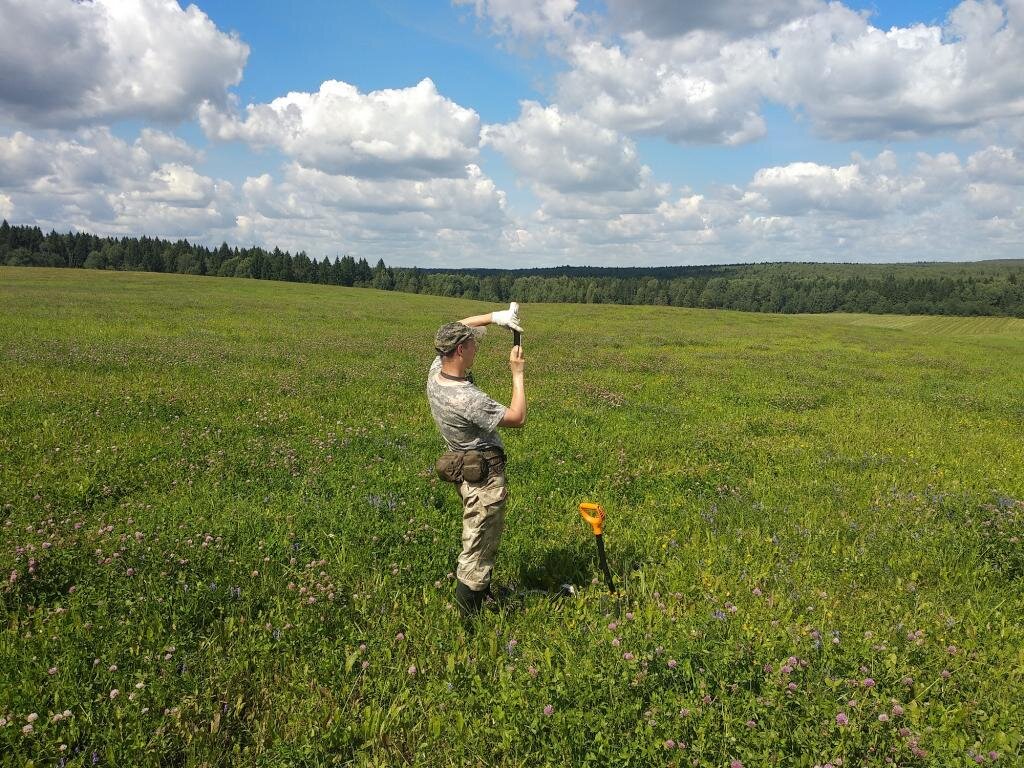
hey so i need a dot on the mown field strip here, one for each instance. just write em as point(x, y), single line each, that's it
point(938, 325)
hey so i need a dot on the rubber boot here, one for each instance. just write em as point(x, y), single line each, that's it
point(497, 596)
point(468, 600)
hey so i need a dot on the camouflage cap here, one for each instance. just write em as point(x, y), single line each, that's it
point(450, 335)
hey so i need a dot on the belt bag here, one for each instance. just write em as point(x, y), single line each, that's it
point(468, 466)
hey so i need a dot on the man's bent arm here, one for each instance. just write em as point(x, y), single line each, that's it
point(515, 414)
point(509, 318)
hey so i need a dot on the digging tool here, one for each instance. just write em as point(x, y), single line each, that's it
point(517, 334)
point(594, 514)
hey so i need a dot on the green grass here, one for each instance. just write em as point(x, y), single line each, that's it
point(187, 461)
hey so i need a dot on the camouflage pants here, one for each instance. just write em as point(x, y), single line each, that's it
point(483, 520)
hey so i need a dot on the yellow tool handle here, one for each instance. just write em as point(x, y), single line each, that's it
point(593, 514)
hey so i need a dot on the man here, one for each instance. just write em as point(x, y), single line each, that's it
point(468, 421)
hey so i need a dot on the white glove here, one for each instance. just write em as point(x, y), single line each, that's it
point(508, 318)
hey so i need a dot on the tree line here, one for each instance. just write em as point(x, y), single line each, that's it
point(976, 288)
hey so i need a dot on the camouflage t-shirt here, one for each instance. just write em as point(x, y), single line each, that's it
point(468, 418)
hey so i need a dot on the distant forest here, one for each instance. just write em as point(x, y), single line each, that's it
point(927, 288)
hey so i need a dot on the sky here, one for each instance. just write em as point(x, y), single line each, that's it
point(522, 133)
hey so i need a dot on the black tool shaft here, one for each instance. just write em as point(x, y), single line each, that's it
point(604, 562)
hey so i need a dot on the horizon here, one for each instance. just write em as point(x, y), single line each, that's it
point(550, 267)
point(480, 135)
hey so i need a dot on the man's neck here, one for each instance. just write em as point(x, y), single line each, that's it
point(454, 367)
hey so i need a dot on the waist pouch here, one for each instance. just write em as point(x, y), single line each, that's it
point(469, 466)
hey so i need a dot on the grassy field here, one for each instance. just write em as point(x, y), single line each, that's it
point(225, 545)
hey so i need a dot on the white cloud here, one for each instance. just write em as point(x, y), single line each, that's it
point(403, 221)
point(994, 200)
point(657, 237)
point(857, 81)
point(600, 206)
point(167, 146)
point(394, 133)
point(94, 158)
point(661, 231)
point(701, 74)
point(682, 90)
point(528, 19)
point(671, 18)
point(870, 209)
point(73, 63)
point(474, 201)
point(178, 185)
point(877, 188)
point(939, 207)
point(798, 188)
point(944, 172)
point(575, 168)
point(688, 212)
point(22, 159)
point(97, 182)
point(998, 164)
point(566, 152)
point(698, 87)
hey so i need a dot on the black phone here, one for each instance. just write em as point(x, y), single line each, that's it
point(517, 338)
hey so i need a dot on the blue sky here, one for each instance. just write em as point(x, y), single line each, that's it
point(375, 45)
point(527, 133)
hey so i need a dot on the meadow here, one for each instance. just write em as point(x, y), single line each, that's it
point(221, 542)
